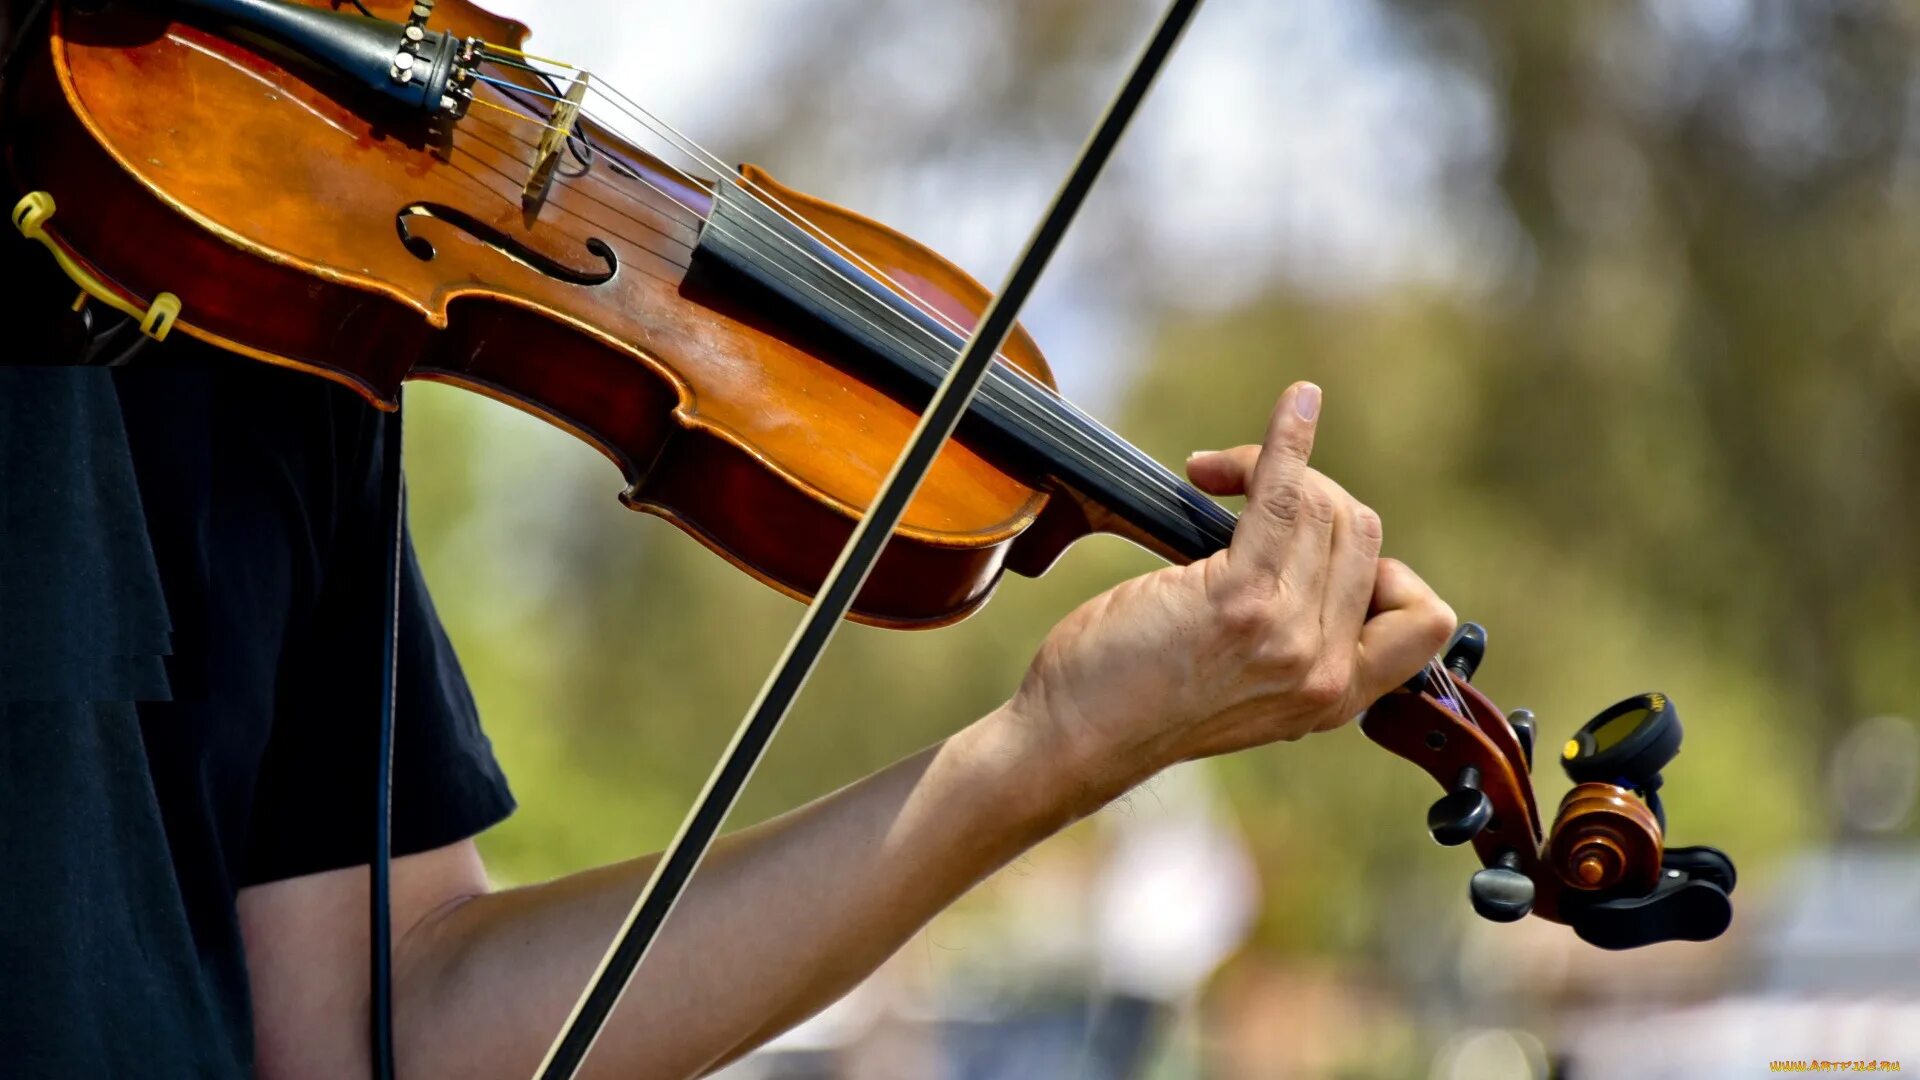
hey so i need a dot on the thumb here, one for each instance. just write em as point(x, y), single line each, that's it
point(1223, 472)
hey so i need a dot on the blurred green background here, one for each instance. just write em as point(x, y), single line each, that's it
point(1615, 308)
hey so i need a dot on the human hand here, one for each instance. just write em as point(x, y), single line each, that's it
point(1296, 627)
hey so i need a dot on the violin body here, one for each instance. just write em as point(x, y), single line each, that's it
point(305, 231)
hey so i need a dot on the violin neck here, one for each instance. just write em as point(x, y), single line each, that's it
point(746, 242)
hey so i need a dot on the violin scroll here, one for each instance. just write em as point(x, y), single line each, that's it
point(1602, 867)
point(1604, 838)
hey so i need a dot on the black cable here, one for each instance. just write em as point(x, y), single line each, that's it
point(393, 498)
point(20, 35)
point(125, 356)
point(100, 340)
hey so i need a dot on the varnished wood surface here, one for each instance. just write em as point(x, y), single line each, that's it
point(1417, 727)
point(184, 163)
point(1602, 839)
point(1605, 838)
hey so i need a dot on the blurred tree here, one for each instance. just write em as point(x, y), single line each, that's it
point(1665, 435)
point(1705, 375)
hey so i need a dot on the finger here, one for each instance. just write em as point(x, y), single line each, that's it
point(1223, 472)
point(1353, 566)
point(1278, 503)
point(1411, 623)
point(1309, 551)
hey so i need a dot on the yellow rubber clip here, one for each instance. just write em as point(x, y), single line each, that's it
point(30, 216)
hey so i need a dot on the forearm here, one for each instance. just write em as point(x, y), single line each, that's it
point(1293, 629)
point(782, 919)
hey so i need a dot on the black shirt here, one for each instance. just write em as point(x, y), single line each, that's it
point(126, 831)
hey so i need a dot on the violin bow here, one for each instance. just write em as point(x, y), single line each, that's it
point(835, 597)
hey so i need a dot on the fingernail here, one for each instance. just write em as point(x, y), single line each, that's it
point(1200, 454)
point(1306, 401)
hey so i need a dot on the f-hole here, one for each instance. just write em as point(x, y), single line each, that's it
point(422, 248)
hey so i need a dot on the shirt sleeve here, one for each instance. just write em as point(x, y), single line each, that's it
point(314, 798)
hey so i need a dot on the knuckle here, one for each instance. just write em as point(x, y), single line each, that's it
point(1441, 622)
point(1319, 507)
point(1324, 688)
point(1287, 654)
point(1366, 524)
point(1246, 614)
point(1282, 504)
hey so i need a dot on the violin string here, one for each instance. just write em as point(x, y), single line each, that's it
point(1440, 676)
point(714, 162)
point(1453, 694)
point(722, 229)
point(695, 213)
point(687, 145)
point(1161, 485)
point(1148, 470)
point(1460, 696)
point(711, 161)
point(665, 213)
point(878, 328)
point(1165, 493)
point(694, 219)
point(1441, 679)
point(1437, 673)
point(697, 219)
point(1449, 690)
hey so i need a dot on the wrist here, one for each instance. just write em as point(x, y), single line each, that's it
point(1017, 774)
point(1052, 778)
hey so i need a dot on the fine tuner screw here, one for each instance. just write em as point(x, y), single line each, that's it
point(412, 37)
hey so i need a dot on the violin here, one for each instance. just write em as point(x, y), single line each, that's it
point(750, 357)
point(406, 193)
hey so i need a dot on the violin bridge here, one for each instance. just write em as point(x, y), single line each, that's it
point(553, 143)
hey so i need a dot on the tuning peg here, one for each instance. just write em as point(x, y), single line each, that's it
point(1521, 721)
point(1465, 651)
point(1501, 893)
point(1460, 814)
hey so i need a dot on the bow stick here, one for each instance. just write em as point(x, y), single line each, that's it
point(830, 605)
